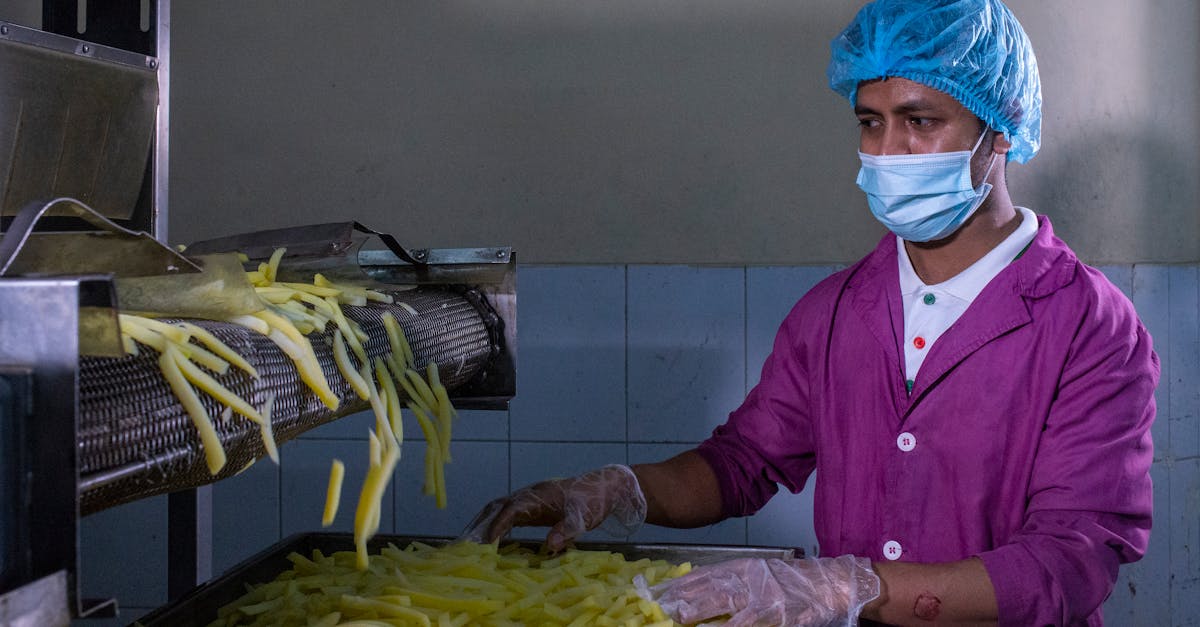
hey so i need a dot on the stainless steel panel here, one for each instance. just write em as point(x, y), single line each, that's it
point(76, 119)
point(42, 603)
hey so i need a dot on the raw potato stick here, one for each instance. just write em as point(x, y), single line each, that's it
point(266, 430)
point(333, 494)
point(457, 584)
point(397, 339)
point(221, 349)
point(366, 516)
point(393, 399)
point(346, 367)
point(205, 382)
point(422, 388)
point(214, 452)
point(272, 269)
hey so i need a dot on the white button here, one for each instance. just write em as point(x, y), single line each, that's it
point(906, 441)
point(892, 550)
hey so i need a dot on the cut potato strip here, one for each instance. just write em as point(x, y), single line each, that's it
point(346, 367)
point(202, 380)
point(250, 322)
point(221, 349)
point(380, 297)
point(333, 493)
point(422, 388)
point(392, 398)
point(457, 584)
point(413, 395)
point(214, 452)
point(366, 516)
point(398, 341)
point(266, 429)
point(171, 332)
point(272, 268)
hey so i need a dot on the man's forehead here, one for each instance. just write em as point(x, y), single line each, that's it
point(892, 94)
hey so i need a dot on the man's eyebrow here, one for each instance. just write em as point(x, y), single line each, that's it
point(908, 106)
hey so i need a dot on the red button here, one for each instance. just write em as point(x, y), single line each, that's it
point(919, 342)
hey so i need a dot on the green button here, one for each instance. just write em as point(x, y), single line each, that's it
point(908, 384)
point(930, 299)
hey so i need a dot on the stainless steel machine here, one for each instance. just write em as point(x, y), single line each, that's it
point(83, 216)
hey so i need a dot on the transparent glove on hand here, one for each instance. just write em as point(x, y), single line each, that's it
point(753, 591)
point(609, 495)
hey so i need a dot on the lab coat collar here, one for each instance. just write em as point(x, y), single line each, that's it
point(1047, 266)
point(966, 285)
point(874, 293)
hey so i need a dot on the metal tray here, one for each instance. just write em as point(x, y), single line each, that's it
point(199, 607)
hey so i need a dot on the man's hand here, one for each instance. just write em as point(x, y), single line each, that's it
point(609, 495)
point(753, 591)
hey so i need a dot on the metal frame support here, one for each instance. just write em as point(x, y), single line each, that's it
point(189, 540)
point(39, 337)
point(142, 26)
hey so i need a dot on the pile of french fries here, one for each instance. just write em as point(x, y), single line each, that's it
point(191, 356)
point(453, 585)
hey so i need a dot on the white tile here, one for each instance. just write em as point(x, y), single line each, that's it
point(771, 292)
point(571, 347)
point(1120, 276)
point(305, 477)
point(1151, 297)
point(1143, 595)
point(246, 514)
point(480, 424)
point(1183, 536)
point(687, 352)
point(123, 553)
point(477, 474)
point(1182, 366)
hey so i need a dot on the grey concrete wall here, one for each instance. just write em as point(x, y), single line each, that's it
point(640, 131)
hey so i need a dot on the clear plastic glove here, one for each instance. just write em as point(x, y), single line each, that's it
point(753, 591)
point(609, 497)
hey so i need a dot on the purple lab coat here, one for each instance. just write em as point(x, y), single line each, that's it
point(1025, 440)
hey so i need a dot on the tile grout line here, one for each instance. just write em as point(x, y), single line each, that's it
point(625, 358)
point(745, 364)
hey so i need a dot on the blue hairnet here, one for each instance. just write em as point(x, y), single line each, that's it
point(974, 50)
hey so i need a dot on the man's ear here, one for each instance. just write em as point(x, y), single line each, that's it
point(1000, 144)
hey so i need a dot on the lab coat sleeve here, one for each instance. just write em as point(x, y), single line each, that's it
point(1090, 497)
point(768, 440)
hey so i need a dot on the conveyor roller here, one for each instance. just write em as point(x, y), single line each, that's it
point(135, 439)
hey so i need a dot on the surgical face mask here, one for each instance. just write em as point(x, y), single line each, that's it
point(922, 198)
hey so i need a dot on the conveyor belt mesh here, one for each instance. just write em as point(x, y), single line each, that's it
point(133, 431)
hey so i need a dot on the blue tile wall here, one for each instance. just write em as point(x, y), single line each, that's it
point(246, 513)
point(122, 553)
point(687, 350)
point(477, 473)
point(636, 363)
point(571, 355)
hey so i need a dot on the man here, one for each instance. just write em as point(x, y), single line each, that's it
point(977, 400)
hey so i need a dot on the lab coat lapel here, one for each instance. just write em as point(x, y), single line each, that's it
point(997, 310)
point(875, 297)
point(1046, 266)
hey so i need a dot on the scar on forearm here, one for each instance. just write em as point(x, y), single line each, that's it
point(927, 606)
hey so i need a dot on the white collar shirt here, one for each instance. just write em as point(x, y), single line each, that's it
point(929, 310)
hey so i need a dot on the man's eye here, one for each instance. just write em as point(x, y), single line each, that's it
point(921, 121)
point(868, 123)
